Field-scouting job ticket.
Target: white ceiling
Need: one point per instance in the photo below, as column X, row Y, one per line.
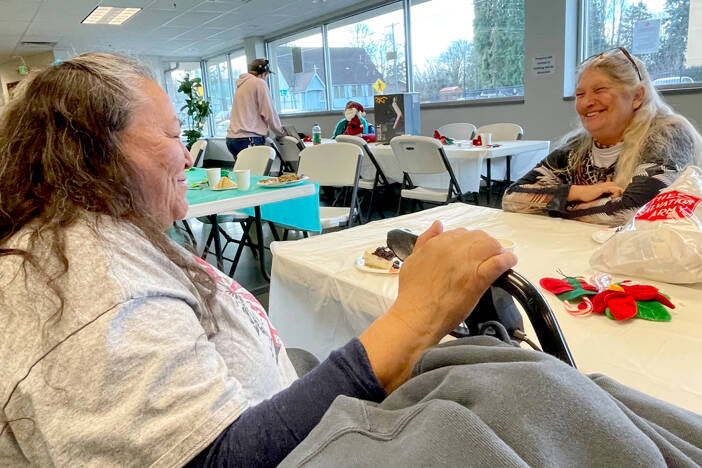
column 169, row 28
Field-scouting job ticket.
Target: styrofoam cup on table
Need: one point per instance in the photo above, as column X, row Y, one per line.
column 486, row 139
column 243, row 178
column 213, row 176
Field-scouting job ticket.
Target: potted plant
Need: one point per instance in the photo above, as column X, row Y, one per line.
column 198, row 109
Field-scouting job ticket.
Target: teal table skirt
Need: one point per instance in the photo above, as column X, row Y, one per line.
column 301, row 213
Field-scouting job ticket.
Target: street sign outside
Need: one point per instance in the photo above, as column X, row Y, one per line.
column 379, row 86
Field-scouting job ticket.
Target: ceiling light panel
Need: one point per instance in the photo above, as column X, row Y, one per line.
column 110, row 15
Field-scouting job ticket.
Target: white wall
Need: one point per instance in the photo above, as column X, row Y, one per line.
column 544, row 114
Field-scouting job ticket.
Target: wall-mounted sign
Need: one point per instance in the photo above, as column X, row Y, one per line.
column 647, row 37
column 543, row 65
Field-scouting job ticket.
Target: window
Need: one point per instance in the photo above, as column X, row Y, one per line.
column 219, row 93
column 173, row 79
column 366, row 48
column 655, row 31
column 299, row 63
column 476, row 49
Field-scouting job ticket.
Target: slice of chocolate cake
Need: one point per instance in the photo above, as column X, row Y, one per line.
column 381, row 258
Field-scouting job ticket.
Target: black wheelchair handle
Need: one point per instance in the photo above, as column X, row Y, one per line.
column 540, row 314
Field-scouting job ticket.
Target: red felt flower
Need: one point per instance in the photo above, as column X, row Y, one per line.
column 664, row 300
column 641, row 292
column 622, row 308
column 600, row 301
column 555, row 286
column 586, row 286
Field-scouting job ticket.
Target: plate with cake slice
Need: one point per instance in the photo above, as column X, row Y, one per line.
column 380, row 260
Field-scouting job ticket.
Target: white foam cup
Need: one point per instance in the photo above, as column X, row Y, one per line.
column 213, row 176
column 243, row 178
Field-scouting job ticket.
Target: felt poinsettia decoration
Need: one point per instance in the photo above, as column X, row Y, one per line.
column 619, row 301
column 444, row 139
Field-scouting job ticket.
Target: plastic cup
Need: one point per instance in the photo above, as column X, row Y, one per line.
column 213, row 176
column 486, row 138
column 243, row 178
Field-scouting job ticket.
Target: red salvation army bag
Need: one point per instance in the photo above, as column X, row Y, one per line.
column 663, row 242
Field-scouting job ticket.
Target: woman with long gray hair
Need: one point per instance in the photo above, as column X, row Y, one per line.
column 120, row 348
column 628, row 146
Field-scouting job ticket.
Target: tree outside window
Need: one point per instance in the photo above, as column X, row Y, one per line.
column 664, row 50
column 467, row 49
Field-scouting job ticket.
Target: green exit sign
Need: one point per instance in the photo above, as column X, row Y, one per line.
column 22, row 69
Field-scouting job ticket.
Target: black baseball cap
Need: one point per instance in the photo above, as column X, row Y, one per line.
column 260, row 66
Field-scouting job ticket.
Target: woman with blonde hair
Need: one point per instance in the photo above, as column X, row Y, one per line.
column 628, row 147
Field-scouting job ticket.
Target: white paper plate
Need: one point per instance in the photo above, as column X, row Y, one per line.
column 281, row 184
column 361, row 265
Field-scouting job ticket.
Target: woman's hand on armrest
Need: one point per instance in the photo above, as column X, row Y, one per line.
column 440, row 284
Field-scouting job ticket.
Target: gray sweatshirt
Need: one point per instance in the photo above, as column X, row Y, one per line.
column 477, row 402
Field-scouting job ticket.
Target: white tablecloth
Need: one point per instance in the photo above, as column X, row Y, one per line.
column 319, row 300
column 468, row 163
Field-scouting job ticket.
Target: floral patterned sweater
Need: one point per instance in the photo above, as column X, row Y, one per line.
column 544, row 190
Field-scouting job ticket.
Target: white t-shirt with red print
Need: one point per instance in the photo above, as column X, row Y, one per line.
column 127, row 375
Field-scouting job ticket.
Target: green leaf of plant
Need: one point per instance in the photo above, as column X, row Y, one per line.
column 652, row 310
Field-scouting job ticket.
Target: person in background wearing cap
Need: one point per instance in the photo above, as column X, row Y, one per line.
column 354, row 122
column 252, row 112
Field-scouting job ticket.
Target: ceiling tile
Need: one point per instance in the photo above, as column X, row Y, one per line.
column 219, row 7
column 177, row 5
column 192, row 19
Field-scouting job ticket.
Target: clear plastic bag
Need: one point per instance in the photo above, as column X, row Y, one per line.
column 663, row 242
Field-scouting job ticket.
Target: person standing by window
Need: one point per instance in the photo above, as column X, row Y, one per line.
column 252, row 112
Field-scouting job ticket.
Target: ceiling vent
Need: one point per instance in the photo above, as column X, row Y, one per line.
column 38, row 44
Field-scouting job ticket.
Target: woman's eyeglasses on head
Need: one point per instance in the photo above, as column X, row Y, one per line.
column 623, row 51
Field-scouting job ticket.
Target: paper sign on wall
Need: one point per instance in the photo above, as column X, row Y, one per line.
column 543, row 65
column 647, row 37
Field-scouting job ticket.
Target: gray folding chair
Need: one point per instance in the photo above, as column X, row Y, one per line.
column 458, row 131
column 498, row 171
column 378, row 183
column 424, row 155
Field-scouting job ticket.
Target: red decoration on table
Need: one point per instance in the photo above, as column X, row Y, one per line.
column 307, row 139
column 478, row 141
column 620, row 301
column 444, row 139
column 369, row 137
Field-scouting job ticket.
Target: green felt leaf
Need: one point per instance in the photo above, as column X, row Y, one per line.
column 570, row 295
column 609, row 314
column 652, row 310
column 574, row 282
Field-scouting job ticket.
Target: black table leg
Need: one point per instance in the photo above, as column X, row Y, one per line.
column 488, row 182
column 218, row 244
column 261, row 250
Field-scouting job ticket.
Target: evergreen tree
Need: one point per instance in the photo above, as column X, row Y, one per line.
column 674, row 44
column 498, row 27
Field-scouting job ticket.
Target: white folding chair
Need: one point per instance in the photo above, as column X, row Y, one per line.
column 458, row 131
column 258, row 160
column 498, row 170
column 289, row 149
column 424, row 155
column 376, row 184
column 197, row 152
column 334, row 165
